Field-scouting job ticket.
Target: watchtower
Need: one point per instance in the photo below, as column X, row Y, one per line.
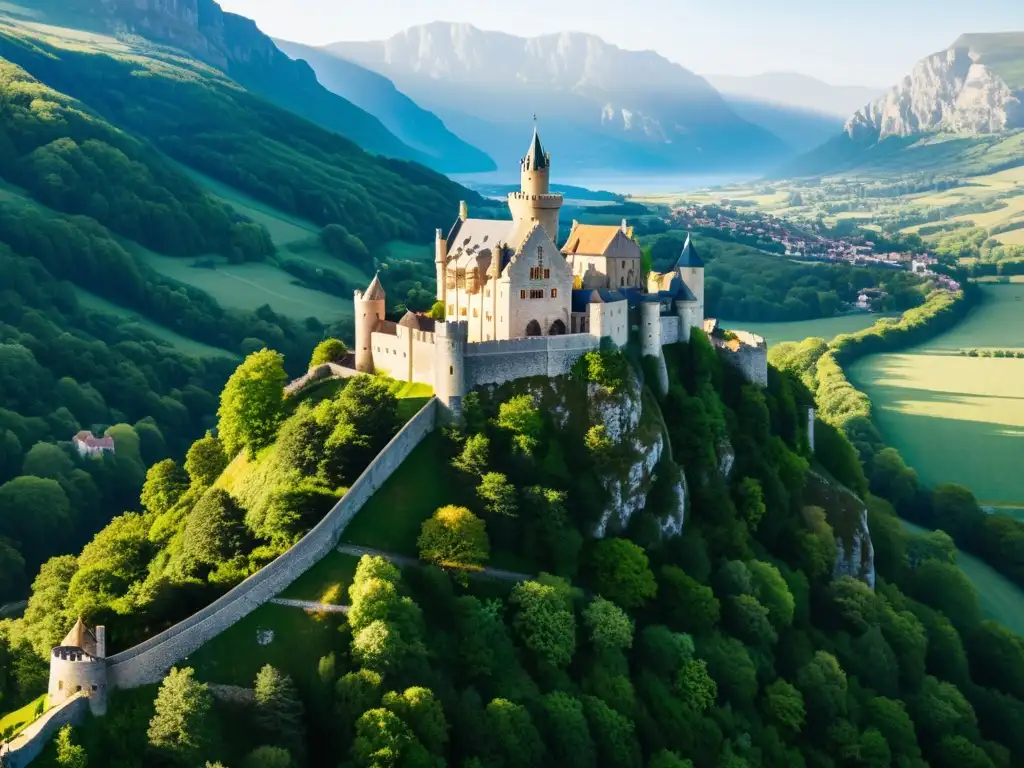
column 369, row 308
column 79, row 663
column 534, row 201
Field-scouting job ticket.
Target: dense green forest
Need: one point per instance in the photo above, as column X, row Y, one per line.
column 742, row 284
column 734, row 644
column 996, row 538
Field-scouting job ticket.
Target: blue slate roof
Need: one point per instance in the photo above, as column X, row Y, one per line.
column 581, row 297
column 689, row 256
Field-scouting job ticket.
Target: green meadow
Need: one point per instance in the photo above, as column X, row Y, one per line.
column 955, row 418
column 1000, row 599
column 826, row 328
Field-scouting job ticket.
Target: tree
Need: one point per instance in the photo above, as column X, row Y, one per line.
column 382, row 739
column 664, row 651
column 685, row 603
column 422, row 712
column 252, row 402
column 213, row 531
column 750, row 502
column 958, row 752
column 165, row 483
column 622, row 574
column 514, row 741
column 666, row 759
column 890, row 717
column 613, row 735
column 610, row 628
column 694, row 686
column 784, row 704
column 69, row 754
column 498, row 494
column 520, row 417
column 748, row 620
column 279, row 710
column 473, row 458
column 454, row 538
column 328, row 351
column 268, row 757
column 545, row 622
column 731, row 667
column 823, row 684
column 355, row 692
column 773, row 593
column 36, row 513
column 205, row 461
column 565, row 730
column 940, row 709
column 179, row 729
column 47, row 460
column 436, row 311
column 945, row 587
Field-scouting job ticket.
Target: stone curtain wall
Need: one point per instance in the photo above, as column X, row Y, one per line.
column 325, row 371
column 669, row 329
column 497, row 362
column 149, row 661
column 29, row 743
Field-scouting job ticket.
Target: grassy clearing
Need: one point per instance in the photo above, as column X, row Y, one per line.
column 1001, row 600
column 1013, row 237
column 162, row 333
column 953, row 418
column 399, row 249
column 250, row 286
column 326, row 582
column 15, row 722
column 798, row 330
column 288, row 638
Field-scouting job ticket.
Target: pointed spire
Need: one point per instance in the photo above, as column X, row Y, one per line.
column 376, row 291
column 689, row 257
column 536, row 159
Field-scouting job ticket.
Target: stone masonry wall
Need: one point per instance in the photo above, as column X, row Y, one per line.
column 29, row 743
column 669, row 329
column 149, row 661
column 497, row 362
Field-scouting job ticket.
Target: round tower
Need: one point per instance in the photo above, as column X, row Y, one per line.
column 691, row 269
column 650, row 328
column 450, row 364
column 79, row 665
column 369, row 308
column 534, row 201
column 440, row 255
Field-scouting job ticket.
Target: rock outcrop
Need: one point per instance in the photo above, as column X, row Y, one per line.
column 847, row 515
column 952, row 91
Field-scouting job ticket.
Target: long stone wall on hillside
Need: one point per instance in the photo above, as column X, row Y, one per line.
column 27, row 745
column 498, row 362
column 149, row 661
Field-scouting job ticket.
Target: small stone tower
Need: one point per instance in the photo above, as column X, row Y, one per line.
column 369, row 308
column 450, row 364
column 440, row 259
column 79, row 663
column 534, row 201
column 690, row 267
column 650, row 327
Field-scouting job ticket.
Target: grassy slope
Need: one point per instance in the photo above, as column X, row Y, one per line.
column 957, row 419
column 15, row 722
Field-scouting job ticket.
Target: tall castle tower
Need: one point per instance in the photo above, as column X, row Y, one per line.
column 369, row 308
column 79, row 665
column 534, row 201
column 691, row 269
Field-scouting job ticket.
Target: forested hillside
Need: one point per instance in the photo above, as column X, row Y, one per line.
column 735, row 643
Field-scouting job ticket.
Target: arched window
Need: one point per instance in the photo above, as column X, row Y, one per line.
column 533, row 328
column 557, row 328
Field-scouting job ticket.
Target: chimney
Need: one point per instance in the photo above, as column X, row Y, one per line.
column 463, row 210
column 624, row 227
column 101, row 642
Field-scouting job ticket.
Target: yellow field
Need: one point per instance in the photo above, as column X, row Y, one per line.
column 1014, row 206
column 1013, row 237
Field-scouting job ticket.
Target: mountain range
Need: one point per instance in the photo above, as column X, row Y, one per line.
column 958, row 102
column 600, row 106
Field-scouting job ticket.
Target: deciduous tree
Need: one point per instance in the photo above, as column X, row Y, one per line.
column 454, row 538
column 252, row 402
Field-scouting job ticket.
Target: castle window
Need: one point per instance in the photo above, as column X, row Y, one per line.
column 554, row 293
column 462, row 311
column 536, row 273
column 623, row 265
column 537, row 293
column 487, row 293
column 622, row 281
column 476, row 312
column 451, row 309
column 451, row 370
column 487, row 315
column 547, row 274
column 94, row 687
column 60, row 685
column 522, row 294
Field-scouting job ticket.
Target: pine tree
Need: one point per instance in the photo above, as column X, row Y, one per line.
column 179, row 729
column 279, row 710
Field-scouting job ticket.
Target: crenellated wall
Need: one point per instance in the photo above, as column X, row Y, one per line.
column 27, row 745
column 149, row 661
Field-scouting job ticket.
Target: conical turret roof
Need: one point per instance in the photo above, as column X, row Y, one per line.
column 689, row 257
column 536, row 159
column 375, row 291
column 81, row 636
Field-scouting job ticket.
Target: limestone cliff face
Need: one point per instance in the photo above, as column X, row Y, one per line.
column 640, row 443
column 951, row 91
column 848, row 517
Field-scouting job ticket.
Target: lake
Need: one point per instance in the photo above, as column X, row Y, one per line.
column 635, row 184
column 955, row 418
column 826, row 328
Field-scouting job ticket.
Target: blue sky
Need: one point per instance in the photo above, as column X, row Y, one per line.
column 857, row 42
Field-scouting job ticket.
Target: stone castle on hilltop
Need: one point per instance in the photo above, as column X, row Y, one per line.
column 516, row 304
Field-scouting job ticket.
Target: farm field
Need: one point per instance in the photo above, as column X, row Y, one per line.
column 1000, row 599
column 181, row 343
column 250, row 286
column 826, row 327
column 954, row 418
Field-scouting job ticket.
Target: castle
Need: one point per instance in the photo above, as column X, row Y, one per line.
column 516, row 305
column 79, row 664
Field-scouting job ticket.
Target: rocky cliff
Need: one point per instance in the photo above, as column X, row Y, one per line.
column 958, row 90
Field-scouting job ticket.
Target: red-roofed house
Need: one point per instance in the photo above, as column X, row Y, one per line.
column 88, row 444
